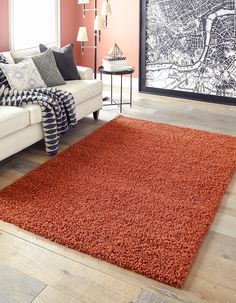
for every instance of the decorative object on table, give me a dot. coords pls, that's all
(115, 61)
(192, 56)
(152, 223)
(128, 71)
(65, 61)
(115, 52)
(23, 76)
(100, 23)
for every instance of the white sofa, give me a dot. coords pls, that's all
(21, 127)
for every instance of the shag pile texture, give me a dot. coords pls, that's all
(137, 194)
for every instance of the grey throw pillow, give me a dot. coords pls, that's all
(65, 61)
(47, 68)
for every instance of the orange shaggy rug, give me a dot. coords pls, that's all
(137, 194)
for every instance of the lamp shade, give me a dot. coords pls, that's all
(83, 1)
(82, 34)
(106, 8)
(99, 23)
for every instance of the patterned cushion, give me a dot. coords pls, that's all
(3, 79)
(23, 76)
(3, 59)
(47, 68)
(8, 57)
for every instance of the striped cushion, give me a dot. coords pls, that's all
(3, 79)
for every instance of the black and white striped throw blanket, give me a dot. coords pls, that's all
(57, 107)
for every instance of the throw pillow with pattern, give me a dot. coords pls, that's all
(23, 76)
(48, 69)
(3, 79)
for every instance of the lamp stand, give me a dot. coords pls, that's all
(95, 41)
(99, 24)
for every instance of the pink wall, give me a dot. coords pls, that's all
(123, 28)
(4, 41)
(68, 24)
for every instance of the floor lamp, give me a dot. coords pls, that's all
(100, 23)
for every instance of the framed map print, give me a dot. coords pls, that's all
(188, 49)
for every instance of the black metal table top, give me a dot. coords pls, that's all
(126, 71)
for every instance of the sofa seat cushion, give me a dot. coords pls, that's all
(82, 90)
(12, 119)
(35, 113)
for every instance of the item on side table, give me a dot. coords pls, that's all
(65, 61)
(47, 67)
(23, 75)
(115, 61)
(152, 223)
(115, 52)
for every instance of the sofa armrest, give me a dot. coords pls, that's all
(85, 73)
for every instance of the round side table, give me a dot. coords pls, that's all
(128, 71)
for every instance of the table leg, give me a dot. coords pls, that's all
(131, 89)
(121, 92)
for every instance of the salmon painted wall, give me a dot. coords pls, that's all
(68, 24)
(4, 41)
(123, 28)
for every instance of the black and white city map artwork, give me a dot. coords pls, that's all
(190, 46)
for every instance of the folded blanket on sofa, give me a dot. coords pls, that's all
(58, 110)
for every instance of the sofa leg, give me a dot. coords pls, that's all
(96, 115)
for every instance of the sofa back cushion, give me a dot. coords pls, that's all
(20, 55)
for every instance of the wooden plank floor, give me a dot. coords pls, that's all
(33, 269)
